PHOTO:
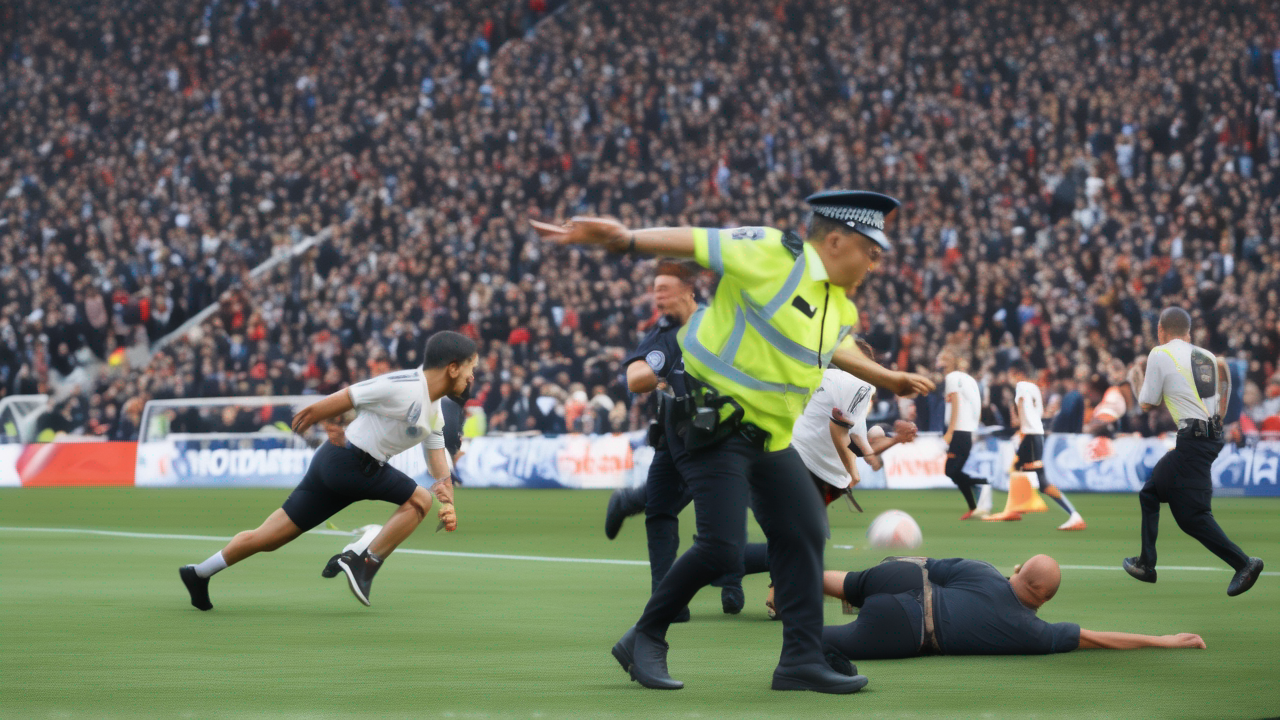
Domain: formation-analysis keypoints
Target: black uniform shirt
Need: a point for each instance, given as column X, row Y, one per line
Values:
column 977, row 613
column 660, row 350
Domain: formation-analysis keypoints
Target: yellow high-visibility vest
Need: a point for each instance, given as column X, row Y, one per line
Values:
column 772, row 327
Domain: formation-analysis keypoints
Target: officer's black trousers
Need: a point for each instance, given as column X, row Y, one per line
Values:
column 666, row 495
column 1182, row 479
column 883, row 629
column 790, row 512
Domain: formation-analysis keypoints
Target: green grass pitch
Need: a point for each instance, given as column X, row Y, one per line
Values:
column 95, row 626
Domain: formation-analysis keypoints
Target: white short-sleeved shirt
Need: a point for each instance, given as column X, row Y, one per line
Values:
column 970, row 406
column 811, row 434
column 394, row 412
column 1031, row 412
column 1169, row 369
column 1112, row 407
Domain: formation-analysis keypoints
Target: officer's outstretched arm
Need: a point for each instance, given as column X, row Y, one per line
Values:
column 613, row 235
column 852, row 361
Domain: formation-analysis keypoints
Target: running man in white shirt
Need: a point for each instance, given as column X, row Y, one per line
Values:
column 1028, row 412
column 836, row 419
column 830, row 434
column 964, row 405
column 394, row 412
column 1194, row 385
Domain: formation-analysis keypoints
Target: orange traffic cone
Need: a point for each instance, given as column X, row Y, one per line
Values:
column 1023, row 498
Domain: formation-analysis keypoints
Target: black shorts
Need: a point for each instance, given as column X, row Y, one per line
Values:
column 339, row 476
column 1030, row 450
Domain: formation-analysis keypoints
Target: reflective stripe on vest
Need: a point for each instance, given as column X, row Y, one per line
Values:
column 725, row 369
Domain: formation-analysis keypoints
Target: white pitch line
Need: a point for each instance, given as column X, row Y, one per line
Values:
column 1162, row 567
column 492, row 556
column 412, row 551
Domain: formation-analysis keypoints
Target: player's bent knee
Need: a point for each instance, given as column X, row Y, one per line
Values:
column 420, row 502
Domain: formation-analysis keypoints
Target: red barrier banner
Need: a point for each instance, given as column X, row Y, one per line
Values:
column 75, row 464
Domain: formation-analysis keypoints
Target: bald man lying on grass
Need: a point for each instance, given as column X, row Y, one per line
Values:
column 974, row 611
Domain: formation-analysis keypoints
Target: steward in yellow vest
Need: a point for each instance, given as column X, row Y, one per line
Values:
column 780, row 315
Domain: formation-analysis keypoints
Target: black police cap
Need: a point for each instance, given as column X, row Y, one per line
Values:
column 862, row 210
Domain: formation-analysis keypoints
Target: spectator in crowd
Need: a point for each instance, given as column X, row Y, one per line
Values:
column 1067, row 170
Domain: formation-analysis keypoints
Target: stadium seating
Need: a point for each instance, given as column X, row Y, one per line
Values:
column 1062, row 184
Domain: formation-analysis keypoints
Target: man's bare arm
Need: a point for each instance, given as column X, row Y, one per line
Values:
column 954, row 401
column 440, row 467
column 641, row 378
column 1094, row 640
column 614, row 236
column 870, row 453
column 840, row 438
column 852, row 361
column 331, row 406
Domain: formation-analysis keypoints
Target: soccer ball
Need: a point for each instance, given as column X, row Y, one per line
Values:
column 894, row 529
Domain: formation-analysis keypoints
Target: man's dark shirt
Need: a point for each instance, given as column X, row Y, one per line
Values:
column 660, row 349
column 1070, row 417
column 977, row 613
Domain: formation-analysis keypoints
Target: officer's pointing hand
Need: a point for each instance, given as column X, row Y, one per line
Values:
column 601, row 232
column 912, row 384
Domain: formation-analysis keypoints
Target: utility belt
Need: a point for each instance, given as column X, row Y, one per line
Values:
column 699, row 417
column 929, row 637
column 1210, row 429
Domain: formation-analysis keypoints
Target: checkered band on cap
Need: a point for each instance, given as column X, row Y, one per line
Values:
column 872, row 218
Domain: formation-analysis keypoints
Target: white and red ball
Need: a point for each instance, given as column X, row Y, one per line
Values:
column 894, row 529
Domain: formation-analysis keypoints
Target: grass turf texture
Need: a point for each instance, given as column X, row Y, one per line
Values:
column 101, row 627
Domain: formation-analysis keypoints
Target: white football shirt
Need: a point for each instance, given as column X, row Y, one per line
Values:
column 1031, row 412
column 394, row 412
column 1169, row 377
column 970, row 405
column 811, row 434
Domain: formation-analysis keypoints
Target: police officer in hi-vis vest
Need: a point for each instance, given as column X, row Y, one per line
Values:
column 1195, row 386
column 752, row 358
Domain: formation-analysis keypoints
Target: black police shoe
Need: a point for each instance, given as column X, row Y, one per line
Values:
column 1245, row 577
column 198, row 587
column 331, row 568
column 732, row 599
column 624, row 649
column 1139, row 571
column 360, row 572
column 817, row 677
column 837, row 661
column 682, row 616
column 622, row 505
column 649, row 664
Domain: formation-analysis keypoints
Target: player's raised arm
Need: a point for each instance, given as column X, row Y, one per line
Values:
column 330, row 407
column 1094, row 640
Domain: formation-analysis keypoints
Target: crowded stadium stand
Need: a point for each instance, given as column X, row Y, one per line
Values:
column 1068, row 169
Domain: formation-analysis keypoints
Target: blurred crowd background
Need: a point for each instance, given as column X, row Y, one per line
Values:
column 1067, row 170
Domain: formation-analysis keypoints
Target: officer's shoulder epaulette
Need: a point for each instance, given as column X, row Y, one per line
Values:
column 793, row 243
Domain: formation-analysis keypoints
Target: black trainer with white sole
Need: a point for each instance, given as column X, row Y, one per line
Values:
column 197, row 586
column 331, row 569
column 360, row 572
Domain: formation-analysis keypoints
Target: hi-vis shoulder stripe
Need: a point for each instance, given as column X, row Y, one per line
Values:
column 874, row 218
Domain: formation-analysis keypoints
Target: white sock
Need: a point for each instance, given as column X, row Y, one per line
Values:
column 359, row 546
column 984, row 498
column 212, row 565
